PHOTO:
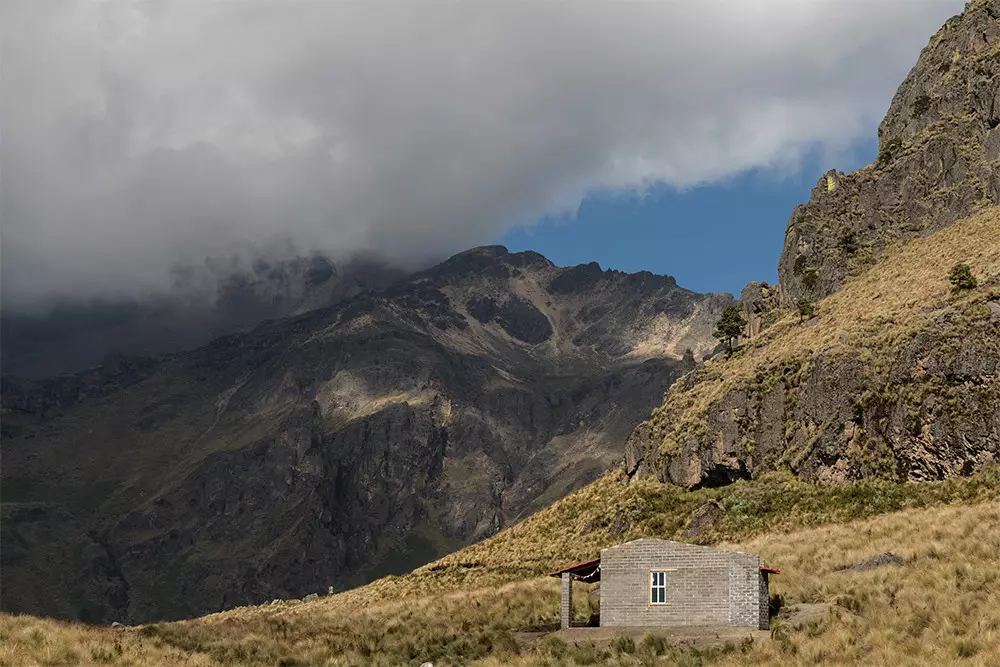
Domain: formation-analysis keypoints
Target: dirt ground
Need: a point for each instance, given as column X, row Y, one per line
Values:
column 693, row 637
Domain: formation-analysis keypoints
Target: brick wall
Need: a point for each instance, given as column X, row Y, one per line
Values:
column 705, row 586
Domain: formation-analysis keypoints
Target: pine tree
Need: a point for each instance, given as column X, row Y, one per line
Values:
column 961, row 277
column 730, row 325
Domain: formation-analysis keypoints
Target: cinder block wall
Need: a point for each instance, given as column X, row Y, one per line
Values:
column 706, row 587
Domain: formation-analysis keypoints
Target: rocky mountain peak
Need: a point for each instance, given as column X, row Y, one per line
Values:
column 938, row 86
column 939, row 148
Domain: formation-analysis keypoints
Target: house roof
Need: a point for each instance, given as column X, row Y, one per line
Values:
column 770, row 569
column 584, row 569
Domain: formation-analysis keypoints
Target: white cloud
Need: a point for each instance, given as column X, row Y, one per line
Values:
column 142, row 135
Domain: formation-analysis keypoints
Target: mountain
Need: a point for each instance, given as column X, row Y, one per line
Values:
column 938, row 161
column 895, row 377
column 335, row 446
column 224, row 297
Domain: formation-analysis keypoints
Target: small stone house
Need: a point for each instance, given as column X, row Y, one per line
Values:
column 659, row 583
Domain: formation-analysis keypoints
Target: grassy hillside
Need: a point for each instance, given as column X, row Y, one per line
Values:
column 469, row 606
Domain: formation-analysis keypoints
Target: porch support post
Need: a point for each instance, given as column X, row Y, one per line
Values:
column 567, row 599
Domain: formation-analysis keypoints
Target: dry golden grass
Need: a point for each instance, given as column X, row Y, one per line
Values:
column 939, row 608
column 942, row 607
column 876, row 311
column 31, row 641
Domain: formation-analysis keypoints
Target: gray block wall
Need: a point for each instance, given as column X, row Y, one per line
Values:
column 566, row 613
column 705, row 586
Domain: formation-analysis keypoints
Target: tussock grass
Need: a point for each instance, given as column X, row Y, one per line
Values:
column 877, row 311
column 465, row 609
column 940, row 608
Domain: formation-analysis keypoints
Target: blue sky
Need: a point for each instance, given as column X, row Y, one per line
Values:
column 712, row 238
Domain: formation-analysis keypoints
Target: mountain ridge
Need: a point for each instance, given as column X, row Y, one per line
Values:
column 352, row 440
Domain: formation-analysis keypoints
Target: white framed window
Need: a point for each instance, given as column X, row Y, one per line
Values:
column 657, row 587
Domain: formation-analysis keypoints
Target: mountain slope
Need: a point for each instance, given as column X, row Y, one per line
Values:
column 332, row 447
column 468, row 609
column 895, row 377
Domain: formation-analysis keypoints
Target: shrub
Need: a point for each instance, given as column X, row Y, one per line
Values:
column 920, row 106
column 848, row 240
column 800, row 265
column 623, row 644
column 961, row 277
column 656, row 643
column 555, row 646
column 888, row 152
column 806, row 309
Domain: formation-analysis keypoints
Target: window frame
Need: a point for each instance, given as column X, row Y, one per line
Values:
column 650, row 587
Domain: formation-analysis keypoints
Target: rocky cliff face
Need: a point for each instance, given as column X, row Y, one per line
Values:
column 897, row 375
column 939, row 147
column 345, row 443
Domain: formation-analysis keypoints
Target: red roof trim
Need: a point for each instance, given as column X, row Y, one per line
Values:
column 770, row 569
column 585, row 563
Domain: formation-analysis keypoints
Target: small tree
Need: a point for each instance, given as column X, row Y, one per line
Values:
column 961, row 277
column 730, row 325
column 806, row 309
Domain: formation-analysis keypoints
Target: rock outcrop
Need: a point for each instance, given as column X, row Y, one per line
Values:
column 926, row 410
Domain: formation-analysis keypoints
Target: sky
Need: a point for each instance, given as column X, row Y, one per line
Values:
column 714, row 237
column 140, row 137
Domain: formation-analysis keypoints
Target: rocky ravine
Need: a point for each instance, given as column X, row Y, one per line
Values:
column 907, row 388
column 325, row 449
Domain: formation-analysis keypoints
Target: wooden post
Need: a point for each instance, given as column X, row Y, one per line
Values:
column 567, row 600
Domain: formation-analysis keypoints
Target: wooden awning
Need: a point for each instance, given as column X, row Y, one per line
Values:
column 589, row 571
column 770, row 569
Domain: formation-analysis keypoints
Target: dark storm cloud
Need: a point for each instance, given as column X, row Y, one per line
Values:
column 143, row 136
